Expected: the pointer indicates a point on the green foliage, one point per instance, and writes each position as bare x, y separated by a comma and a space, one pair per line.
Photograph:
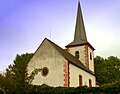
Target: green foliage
113, 88
2, 83
19, 68
107, 70
2, 91
33, 74
16, 79
106, 89
16, 75
6, 83
44, 89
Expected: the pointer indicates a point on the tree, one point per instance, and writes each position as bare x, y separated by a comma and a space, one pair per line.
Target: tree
16, 79
2, 81
18, 72
100, 69
107, 70
6, 83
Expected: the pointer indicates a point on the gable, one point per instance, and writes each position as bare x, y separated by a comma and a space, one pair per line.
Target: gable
46, 53
46, 50
47, 56
71, 58
50, 50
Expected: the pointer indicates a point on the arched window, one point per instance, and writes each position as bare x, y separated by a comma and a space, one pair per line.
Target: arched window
90, 56
77, 54
80, 80
90, 83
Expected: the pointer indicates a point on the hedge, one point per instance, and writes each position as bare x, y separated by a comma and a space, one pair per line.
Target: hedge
72, 90
45, 89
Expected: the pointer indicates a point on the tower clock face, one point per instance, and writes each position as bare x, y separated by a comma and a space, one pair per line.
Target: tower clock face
45, 71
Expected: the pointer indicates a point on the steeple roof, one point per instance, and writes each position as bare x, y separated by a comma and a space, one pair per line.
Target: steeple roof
80, 34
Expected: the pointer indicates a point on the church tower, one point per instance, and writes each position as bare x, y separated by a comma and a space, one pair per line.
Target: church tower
80, 47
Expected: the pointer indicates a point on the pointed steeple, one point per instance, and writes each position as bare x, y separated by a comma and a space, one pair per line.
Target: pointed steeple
80, 34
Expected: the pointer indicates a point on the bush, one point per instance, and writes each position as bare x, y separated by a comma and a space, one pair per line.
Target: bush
113, 88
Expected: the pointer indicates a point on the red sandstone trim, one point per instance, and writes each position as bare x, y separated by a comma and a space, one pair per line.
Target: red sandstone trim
86, 56
68, 49
66, 74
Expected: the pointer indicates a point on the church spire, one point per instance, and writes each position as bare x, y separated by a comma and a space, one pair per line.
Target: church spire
80, 34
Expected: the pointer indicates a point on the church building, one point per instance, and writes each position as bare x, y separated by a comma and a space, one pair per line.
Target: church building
70, 67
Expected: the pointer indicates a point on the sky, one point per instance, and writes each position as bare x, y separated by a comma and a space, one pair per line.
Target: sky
25, 23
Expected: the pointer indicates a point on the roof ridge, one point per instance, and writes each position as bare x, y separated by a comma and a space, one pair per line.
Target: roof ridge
70, 57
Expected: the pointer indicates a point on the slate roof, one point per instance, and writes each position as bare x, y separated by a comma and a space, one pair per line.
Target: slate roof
80, 34
69, 57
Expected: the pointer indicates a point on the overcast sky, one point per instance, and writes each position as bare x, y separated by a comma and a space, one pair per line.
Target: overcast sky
25, 23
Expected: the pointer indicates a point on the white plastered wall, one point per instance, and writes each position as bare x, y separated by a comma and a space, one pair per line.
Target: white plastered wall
91, 62
81, 49
48, 56
74, 77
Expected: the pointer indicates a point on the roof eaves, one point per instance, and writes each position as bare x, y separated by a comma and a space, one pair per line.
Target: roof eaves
71, 58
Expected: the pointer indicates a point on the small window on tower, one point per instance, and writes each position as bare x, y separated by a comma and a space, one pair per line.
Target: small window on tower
77, 54
90, 56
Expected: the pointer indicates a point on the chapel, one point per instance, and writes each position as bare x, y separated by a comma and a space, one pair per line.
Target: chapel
70, 67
